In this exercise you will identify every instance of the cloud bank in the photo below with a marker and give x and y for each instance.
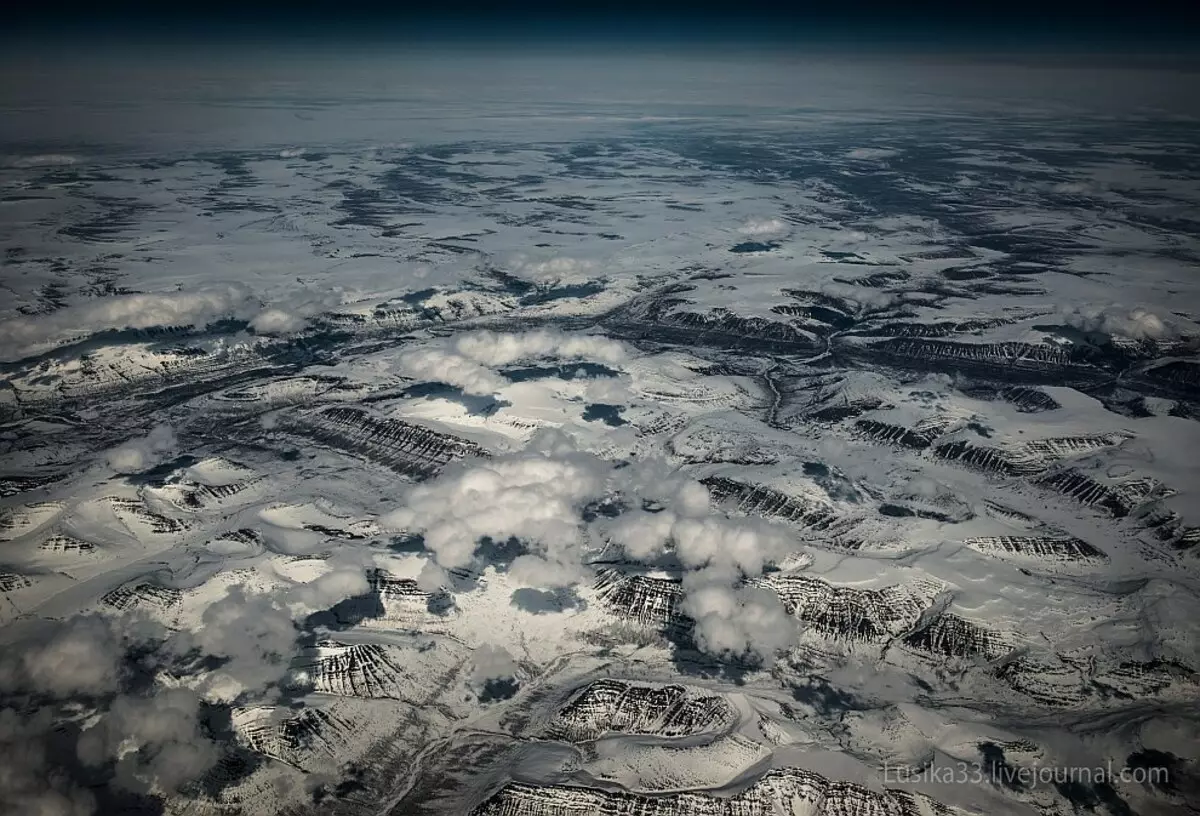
(21, 337)
(871, 153)
(536, 496)
(492, 663)
(555, 271)
(733, 620)
(467, 362)
(765, 228)
(1136, 324)
(255, 632)
(147, 740)
(145, 452)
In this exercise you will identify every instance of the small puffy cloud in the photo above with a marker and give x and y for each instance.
(737, 622)
(344, 581)
(148, 741)
(256, 631)
(867, 299)
(440, 365)
(79, 656)
(610, 390)
(145, 452)
(44, 160)
(765, 228)
(467, 362)
(641, 534)
(29, 784)
(729, 547)
(536, 496)
(692, 500)
(1136, 324)
(924, 487)
(277, 321)
(644, 535)
(871, 153)
(290, 314)
(701, 540)
(432, 578)
(155, 740)
(290, 540)
(554, 271)
(732, 620)
(23, 336)
(499, 348)
(492, 663)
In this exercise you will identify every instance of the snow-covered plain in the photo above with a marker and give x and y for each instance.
(634, 457)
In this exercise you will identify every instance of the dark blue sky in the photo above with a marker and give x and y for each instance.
(1134, 27)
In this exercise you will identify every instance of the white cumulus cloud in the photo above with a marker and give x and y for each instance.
(255, 631)
(440, 365)
(1137, 323)
(554, 271)
(765, 228)
(536, 496)
(24, 336)
(145, 452)
(156, 741)
(467, 362)
(29, 784)
(492, 663)
(78, 656)
(737, 622)
(871, 153)
(732, 619)
(277, 321)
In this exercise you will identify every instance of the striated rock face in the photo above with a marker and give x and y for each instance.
(849, 613)
(649, 601)
(361, 670)
(889, 434)
(784, 792)
(138, 516)
(950, 635)
(15, 485)
(301, 740)
(141, 596)
(613, 706)
(1137, 678)
(1178, 379)
(18, 521)
(1028, 458)
(757, 500)
(668, 319)
(941, 328)
(408, 449)
(1024, 399)
(1050, 548)
(67, 545)
(1006, 362)
(1047, 680)
(1087, 491)
(10, 581)
(191, 496)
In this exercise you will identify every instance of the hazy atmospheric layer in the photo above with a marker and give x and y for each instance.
(445, 433)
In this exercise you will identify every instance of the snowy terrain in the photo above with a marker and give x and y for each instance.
(654, 464)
